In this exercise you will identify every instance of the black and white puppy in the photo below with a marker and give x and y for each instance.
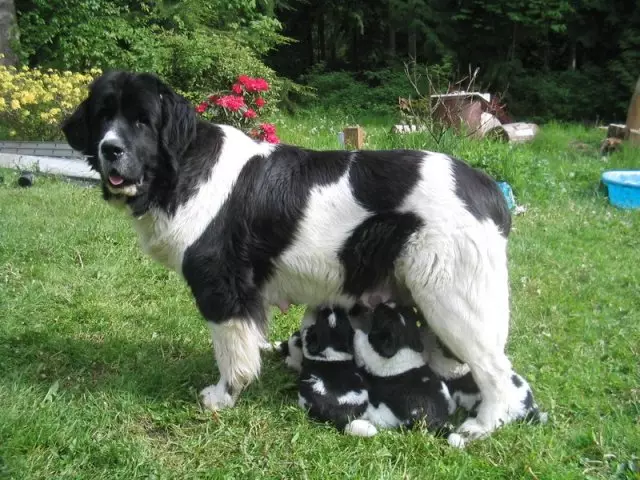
(249, 224)
(330, 386)
(403, 390)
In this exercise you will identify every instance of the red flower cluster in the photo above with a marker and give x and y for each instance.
(239, 108)
(266, 133)
(232, 102)
(252, 84)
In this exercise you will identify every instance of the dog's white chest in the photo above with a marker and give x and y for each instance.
(160, 238)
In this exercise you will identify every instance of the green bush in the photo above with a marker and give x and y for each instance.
(570, 95)
(198, 46)
(373, 92)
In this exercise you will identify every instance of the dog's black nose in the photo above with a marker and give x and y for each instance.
(111, 150)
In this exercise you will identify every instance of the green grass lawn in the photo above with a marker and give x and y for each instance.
(102, 352)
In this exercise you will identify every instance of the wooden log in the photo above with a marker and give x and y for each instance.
(617, 130)
(520, 132)
(354, 137)
(490, 126)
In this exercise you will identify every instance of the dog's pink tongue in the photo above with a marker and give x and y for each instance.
(115, 180)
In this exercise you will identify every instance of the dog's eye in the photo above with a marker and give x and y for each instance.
(142, 122)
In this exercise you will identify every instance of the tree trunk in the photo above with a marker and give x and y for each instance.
(413, 41)
(512, 50)
(8, 32)
(633, 114)
(392, 42)
(355, 55)
(574, 62)
(311, 53)
(321, 41)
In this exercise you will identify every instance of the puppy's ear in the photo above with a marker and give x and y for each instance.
(415, 342)
(179, 123)
(76, 128)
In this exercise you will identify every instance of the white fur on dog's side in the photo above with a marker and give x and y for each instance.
(406, 359)
(236, 344)
(313, 255)
(165, 238)
(354, 398)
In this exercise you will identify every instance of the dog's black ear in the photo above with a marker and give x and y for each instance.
(76, 128)
(179, 123)
(312, 341)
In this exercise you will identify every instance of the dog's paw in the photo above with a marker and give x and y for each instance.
(217, 397)
(360, 428)
(472, 429)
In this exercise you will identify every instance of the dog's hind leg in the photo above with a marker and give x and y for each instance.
(461, 287)
(236, 344)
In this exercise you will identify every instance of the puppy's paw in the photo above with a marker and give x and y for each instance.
(360, 428)
(217, 397)
(456, 440)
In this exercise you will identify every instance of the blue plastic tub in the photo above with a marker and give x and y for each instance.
(623, 187)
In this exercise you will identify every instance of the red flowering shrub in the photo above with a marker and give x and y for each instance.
(239, 107)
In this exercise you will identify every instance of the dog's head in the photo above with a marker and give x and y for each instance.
(392, 346)
(330, 337)
(133, 128)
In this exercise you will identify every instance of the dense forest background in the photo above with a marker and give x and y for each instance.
(552, 59)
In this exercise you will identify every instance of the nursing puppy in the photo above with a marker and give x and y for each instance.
(330, 387)
(403, 390)
(249, 224)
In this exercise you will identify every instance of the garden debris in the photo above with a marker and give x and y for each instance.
(26, 179)
(353, 137)
(617, 133)
(475, 113)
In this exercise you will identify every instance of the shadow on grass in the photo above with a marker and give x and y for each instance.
(158, 369)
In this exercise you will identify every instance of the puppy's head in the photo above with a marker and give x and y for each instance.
(330, 337)
(394, 328)
(133, 128)
(393, 344)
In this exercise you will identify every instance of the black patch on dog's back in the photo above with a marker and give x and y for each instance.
(516, 381)
(381, 180)
(234, 257)
(369, 253)
(481, 195)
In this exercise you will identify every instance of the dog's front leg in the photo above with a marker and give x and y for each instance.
(236, 344)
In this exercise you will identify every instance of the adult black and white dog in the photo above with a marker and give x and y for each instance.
(250, 224)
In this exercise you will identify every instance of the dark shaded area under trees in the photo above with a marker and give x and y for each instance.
(554, 59)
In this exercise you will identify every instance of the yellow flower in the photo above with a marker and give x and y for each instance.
(28, 98)
(15, 104)
(54, 111)
(44, 115)
(3, 103)
(12, 133)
